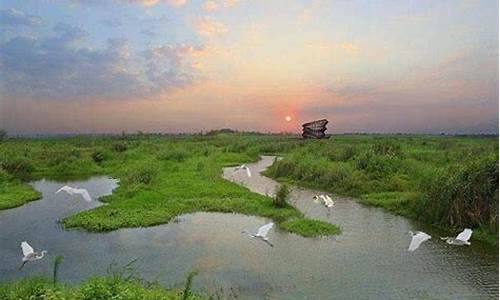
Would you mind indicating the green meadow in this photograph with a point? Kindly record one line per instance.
(447, 181)
(160, 178)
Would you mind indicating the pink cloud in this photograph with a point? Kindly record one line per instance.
(207, 27)
(210, 6)
(176, 3)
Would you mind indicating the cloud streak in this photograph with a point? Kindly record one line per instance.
(60, 67)
(13, 17)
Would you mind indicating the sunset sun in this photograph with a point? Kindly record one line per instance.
(288, 118)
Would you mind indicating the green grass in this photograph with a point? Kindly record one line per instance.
(310, 228)
(450, 182)
(397, 202)
(160, 178)
(98, 288)
(447, 181)
(13, 192)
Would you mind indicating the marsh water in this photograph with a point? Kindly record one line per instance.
(367, 261)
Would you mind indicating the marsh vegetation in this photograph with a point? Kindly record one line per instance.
(451, 182)
(160, 178)
(164, 177)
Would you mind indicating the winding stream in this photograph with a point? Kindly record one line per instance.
(367, 261)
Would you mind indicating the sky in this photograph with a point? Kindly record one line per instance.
(107, 66)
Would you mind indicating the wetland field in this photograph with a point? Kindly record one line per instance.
(167, 206)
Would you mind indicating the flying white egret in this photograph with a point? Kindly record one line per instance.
(29, 254)
(262, 233)
(327, 201)
(461, 239)
(244, 167)
(417, 238)
(72, 191)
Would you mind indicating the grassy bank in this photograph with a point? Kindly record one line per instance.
(160, 178)
(450, 182)
(93, 289)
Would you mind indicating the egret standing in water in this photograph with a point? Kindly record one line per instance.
(244, 167)
(262, 233)
(461, 239)
(72, 191)
(417, 238)
(29, 254)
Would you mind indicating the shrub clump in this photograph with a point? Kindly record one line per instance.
(98, 156)
(17, 166)
(281, 197)
(174, 155)
(464, 196)
(143, 175)
(120, 147)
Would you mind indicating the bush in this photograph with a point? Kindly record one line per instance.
(98, 156)
(282, 168)
(377, 166)
(61, 157)
(144, 175)
(332, 175)
(398, 183)
(463, 196)
(281, 197)
(175, 155)
(17, 166)
(120, 147)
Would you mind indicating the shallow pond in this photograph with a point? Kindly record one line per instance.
(367, 261)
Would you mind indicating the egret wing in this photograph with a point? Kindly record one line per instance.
(264, 229)
(464, 235)
(329, 201)
(85, 194)
(418, 239)
(65, 188)
(27, 249)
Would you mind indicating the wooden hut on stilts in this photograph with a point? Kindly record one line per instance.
(315, 129)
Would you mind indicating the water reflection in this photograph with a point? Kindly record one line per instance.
(368, 261)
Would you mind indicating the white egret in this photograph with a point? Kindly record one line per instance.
(417, 238)
(461, 239)
(72, 191)
(244, 167)
(29, 254)
(262, 233)
(327, 201)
